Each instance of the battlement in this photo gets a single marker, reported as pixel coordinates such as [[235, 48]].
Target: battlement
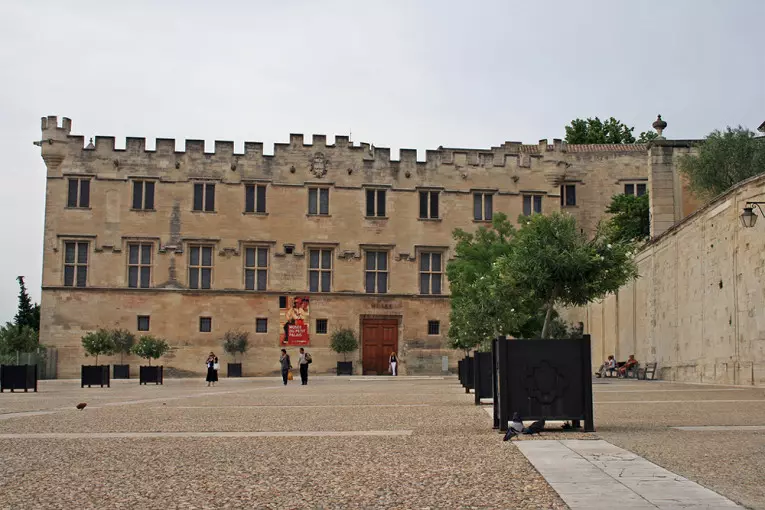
[[508, 154]]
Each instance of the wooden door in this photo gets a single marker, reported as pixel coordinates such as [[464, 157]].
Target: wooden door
[[379, 338]]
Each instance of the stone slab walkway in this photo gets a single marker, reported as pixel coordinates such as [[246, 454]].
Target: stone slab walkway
[[596, 475]]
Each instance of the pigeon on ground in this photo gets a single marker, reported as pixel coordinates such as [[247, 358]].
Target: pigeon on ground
[[515, 427], [511, 433], [536, 427], [81, 406]]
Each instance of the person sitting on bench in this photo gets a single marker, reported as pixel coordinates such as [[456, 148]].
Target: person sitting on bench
[[608, 366], [631, 362]]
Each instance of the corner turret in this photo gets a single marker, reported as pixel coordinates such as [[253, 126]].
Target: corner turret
[[53, 144]]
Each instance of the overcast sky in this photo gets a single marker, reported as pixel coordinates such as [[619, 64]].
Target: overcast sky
[[394, 73]]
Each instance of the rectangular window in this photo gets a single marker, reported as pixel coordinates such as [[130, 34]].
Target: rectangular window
[[376, 203], [635, 189], [139, 265], [76, 263], [261, 325], [431, 273], [205, 324], [482, 206], [641, 189], [79, 193], [428, 205], [629, 189], [143, 195], [434, 327], [255, 198], [376, 272], [143, 323], [320, 270], [567, 195], [200, 267], [282, 302], [256, 268], [321, 326], [318, 201], [204, 197], [532, 204]]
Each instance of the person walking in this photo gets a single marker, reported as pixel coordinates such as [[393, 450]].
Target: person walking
[[286, 365], [305, 360], [393, 362], [212, 372]]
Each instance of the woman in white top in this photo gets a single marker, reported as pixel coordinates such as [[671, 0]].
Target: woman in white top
[[393, 361]]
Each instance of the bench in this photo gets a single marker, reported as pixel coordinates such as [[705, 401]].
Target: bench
[[650, 369]]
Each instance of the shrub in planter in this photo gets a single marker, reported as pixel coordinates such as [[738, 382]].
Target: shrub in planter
[[123, 343], [344, 341], [150, 347], [96, 343], [235, 342]]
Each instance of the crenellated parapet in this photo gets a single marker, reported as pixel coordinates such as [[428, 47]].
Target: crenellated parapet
[[298, 160]]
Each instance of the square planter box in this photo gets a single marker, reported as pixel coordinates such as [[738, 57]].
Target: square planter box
[[234, 370], [18, 377], [150, 374], [345, 368], [94, 375], [121, 372]]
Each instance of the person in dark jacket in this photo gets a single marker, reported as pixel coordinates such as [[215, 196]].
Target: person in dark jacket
[[286, 364], [212, 372]]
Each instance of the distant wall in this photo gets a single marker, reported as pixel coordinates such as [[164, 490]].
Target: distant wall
[[698, 308]]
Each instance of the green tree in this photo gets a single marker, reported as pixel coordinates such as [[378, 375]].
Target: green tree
[[123, 342], [723, 160], [631, 218], [97, 343], [28, 314], [647, 136], [556, 263], [344, 341], [236, 342], [14, 339], [150, 347], [597, 131]]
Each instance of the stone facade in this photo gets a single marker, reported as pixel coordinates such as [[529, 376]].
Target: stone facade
[[109, 223], [698, 308]]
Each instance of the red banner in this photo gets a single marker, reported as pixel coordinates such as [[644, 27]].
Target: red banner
[[294, 321]]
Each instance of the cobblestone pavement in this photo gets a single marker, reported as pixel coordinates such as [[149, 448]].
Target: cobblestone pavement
[[407, 443], [639, 416]]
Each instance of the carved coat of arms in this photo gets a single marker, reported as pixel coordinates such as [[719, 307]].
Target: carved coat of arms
[[319, 165]]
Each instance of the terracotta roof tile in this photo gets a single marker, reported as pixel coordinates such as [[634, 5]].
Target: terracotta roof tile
[[603, 147]]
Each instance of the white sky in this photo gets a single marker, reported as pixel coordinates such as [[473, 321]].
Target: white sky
[[410, 74]]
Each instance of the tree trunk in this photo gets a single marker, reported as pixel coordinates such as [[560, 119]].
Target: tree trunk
[[548, 315], [96, 359]]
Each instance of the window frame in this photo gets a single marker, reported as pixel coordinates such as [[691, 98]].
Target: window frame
[[482, 196], [420, 272], [200, 266], [320, 270], [140, 265], [437, 324], [636, 185], [376, 271], [565, 194], [83, 184], [143, 185], [256, 267], [258, 322], [378, 196], [259, 203], [205, 319], [138, 322], [325, 328], [533, 198], [76, 265], [428, 194], [204, 198], [318, 191]]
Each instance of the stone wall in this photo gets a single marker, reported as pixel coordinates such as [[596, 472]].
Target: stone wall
[[698, 308]]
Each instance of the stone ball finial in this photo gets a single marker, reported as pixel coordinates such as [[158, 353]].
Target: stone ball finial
[[659, 125]]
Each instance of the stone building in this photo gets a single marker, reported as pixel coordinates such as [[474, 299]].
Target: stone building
[[188, 244]]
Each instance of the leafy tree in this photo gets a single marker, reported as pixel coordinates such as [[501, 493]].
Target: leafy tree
[[598, 131], [123, 342], [647, 136], [15, 339], [723, 160], [150, 347], [555, 263], [236, 342], [344, 341], [631, 218], [28, 314], [98, 342]]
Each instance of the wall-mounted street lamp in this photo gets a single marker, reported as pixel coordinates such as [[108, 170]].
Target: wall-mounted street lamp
[[749, 217]]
